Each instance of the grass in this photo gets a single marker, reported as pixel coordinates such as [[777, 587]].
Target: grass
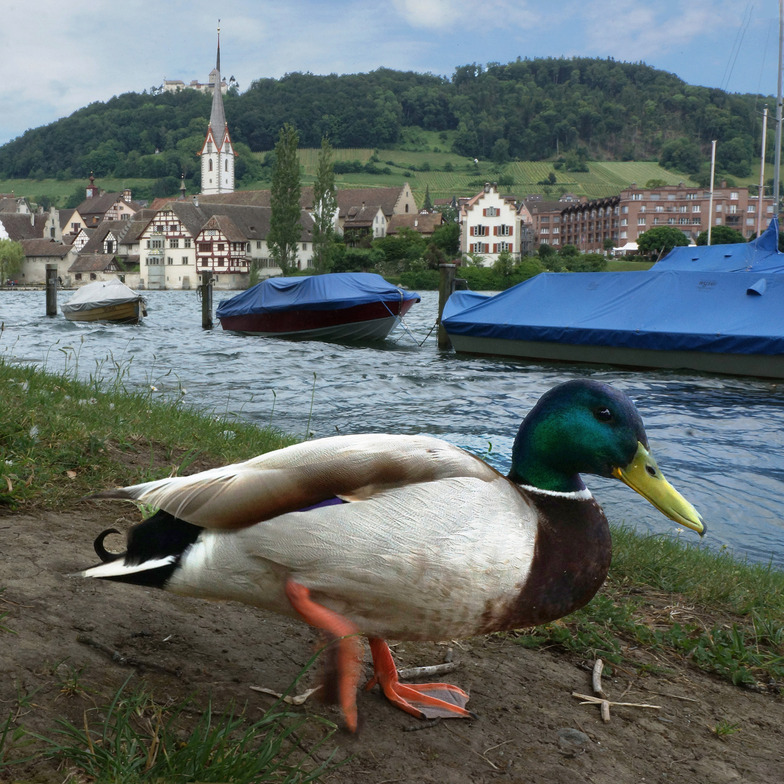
[[135, 739], [60, 438]]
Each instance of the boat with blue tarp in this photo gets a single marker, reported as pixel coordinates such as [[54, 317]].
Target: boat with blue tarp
[[707, 320], [339, 306]]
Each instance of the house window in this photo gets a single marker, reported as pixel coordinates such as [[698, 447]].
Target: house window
[[186, 243], [204, 247], [304, 246], [641, 220], [174, 243], [734, 195], [210, 165], [221, 247], [157, 243], [184, 259], [169, 260], [696, 208], [258, 244]]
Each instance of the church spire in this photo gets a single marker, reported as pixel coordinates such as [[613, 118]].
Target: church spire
[[217, 115], [217, 154]]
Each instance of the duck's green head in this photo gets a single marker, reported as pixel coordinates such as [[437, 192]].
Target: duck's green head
[[585, 427]]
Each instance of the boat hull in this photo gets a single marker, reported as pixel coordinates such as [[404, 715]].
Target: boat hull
[[373, 321], [762, 365], [120, 313]]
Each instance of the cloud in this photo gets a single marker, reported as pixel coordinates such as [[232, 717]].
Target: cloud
[[479, 18]]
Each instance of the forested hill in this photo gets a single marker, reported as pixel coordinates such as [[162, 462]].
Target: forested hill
[[527, 109]]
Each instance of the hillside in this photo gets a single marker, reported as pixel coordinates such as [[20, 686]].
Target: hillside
[[567, 111]]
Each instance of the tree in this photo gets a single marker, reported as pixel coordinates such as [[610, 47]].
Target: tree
[[428, 204], [660, 240], [324, 205], [721, 235], [285, 228], [504, 264], [447, 237], [11, 258]]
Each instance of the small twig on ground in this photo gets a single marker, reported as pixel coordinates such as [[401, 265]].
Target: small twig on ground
[[433, 669], [296, 699], [602, 701]]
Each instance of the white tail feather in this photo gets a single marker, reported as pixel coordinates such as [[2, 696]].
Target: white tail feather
[[119, 567]]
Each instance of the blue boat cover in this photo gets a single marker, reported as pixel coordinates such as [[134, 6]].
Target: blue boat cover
[[759, 255], [334, 291], [717, 312], [460, 300]]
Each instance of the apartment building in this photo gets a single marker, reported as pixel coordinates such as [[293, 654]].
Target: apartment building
[[623, 218]]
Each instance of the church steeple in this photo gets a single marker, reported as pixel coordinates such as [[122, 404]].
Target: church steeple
[[217, 154]]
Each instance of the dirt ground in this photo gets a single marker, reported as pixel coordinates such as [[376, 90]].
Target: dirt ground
[[529, 727]]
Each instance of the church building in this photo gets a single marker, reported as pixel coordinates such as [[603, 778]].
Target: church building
[[217, 153]]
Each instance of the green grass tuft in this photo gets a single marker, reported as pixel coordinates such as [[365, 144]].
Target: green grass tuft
[[135, 739]]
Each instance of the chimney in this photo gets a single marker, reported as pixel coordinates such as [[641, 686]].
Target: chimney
[[196, 201]]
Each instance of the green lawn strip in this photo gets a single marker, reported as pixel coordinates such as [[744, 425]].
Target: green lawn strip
[[61, 438]]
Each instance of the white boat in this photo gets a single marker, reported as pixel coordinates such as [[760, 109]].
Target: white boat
[[105, 300]]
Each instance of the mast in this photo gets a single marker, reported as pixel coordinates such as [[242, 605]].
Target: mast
[[777, 162], [761, 190], [712, 174]]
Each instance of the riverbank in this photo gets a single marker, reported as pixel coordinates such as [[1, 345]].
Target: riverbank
[[698, 634]]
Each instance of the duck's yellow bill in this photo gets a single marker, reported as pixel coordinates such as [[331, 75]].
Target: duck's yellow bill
[[644, 476]]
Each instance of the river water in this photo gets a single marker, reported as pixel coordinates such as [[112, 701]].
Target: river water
[[719, 440]]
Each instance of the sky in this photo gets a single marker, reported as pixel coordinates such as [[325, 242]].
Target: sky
[[58, 57]]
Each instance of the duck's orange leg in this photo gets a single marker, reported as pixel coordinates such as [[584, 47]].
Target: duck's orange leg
[[349, 650], [423, 700]]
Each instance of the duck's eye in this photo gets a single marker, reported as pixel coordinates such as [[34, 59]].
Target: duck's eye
[[603, 414]]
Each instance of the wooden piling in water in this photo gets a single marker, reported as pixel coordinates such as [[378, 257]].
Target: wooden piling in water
[[51, 289], [205, 291], [445, 288]]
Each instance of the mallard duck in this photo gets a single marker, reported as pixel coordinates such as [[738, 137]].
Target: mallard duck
[[403, 537]]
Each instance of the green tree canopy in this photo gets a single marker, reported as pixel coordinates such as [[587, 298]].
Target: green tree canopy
[[324, 205], [11, 258], [285, 226], [660, 240], [721, 235]]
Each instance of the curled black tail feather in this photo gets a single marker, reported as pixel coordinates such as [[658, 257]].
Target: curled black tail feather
[[101, 551]]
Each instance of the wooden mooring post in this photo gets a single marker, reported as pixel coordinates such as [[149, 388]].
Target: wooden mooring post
[[205, 291], [445, 288], [51, 290]]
